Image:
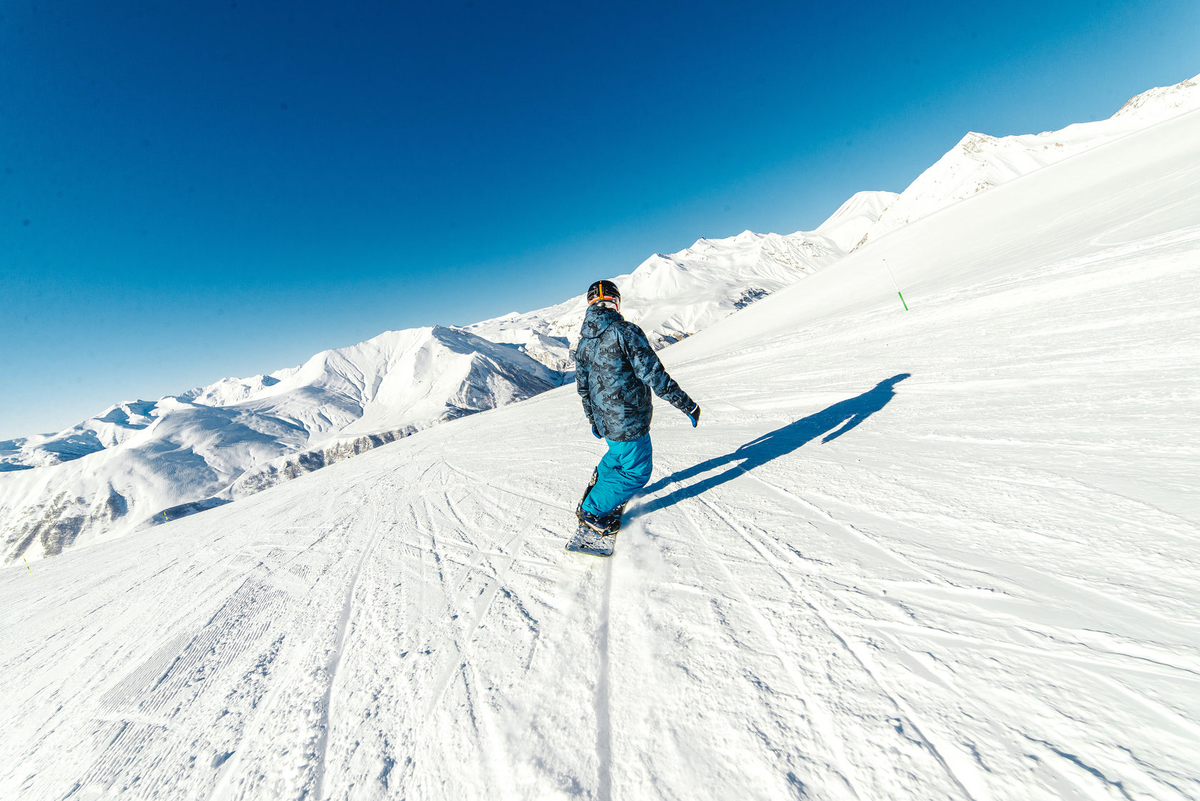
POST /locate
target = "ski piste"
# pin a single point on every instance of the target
(979, 586)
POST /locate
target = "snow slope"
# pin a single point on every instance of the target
(948, 553)
(980, 162)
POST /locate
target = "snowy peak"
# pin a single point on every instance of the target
(673, 296)
(229, 391)
(677, 295)
(428, 375)
(854, 218)
(1161, 102)
(980, 162)
(114, 425)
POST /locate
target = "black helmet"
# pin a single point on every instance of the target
(604, 291)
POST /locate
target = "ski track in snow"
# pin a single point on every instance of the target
(949, 553)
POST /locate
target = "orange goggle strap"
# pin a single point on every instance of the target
(602, 296)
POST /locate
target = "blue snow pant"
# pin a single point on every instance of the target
(624, 470)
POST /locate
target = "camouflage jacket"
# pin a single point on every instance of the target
(615, 369)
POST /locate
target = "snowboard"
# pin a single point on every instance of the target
(592, 542)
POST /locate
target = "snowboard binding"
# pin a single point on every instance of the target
(595, 535)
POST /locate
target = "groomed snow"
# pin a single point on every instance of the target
(944, 553)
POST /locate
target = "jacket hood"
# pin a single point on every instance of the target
(597, 320)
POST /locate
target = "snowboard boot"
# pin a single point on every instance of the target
(616, 516)
(601, 524)
(586, 492)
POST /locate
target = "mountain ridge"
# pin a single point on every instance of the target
(979, 162)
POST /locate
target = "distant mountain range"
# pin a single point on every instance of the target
(146, 462)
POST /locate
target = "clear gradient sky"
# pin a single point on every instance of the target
(190, 190)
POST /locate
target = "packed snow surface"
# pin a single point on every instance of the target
(946, 553)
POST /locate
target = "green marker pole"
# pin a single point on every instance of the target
(27, 567)
(889, 269)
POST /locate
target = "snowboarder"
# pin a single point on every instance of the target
(615, 369)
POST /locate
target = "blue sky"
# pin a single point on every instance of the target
(190, 190)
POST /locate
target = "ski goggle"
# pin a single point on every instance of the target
(613, 300)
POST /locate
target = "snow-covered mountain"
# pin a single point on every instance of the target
(980, 162)
(849, 225)
(945, 553)
(137, 460)
(675, 296)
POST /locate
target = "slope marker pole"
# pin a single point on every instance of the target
(27, 567)
(889, 269)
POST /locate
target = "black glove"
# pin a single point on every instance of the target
(694, 415)
(596, 433)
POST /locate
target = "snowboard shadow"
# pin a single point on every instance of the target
(833, 422)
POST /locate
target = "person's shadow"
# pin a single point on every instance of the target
(836, 420)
